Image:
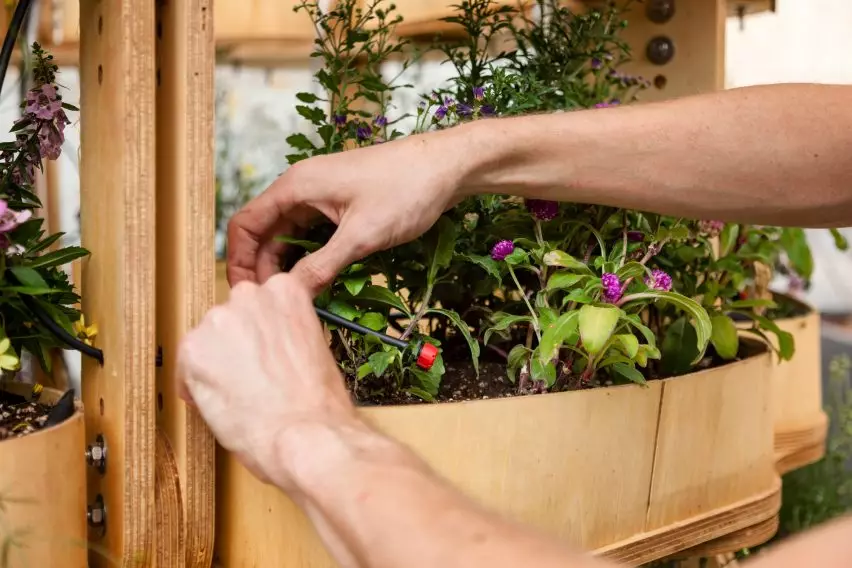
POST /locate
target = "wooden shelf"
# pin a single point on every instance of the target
(751, 6)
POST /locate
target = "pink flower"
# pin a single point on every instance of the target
(9, 219)
(659, 280)
(611, 288)
(502, 249)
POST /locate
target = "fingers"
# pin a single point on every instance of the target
(318, 269)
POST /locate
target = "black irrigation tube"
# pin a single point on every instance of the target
(18, 19)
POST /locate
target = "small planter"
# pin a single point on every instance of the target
(801, 425)
(43, 489)
(633, 473)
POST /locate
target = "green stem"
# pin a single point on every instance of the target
(527, 302)
(424, 305)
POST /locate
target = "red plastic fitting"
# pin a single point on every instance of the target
(426, 357)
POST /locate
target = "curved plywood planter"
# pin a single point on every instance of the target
(43, 492)
(801, 425)
(632, 473)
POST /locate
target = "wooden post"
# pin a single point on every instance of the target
(185, 265)
(117, 225)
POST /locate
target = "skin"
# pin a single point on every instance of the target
(775, 155)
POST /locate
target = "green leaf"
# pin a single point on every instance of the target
(380, 361)
(516, 359)
(58, 258)
(364, 370)
(628, 343)
(786, 342)
(29, 291)
(565, 260)
(518, 256)
(307, 97)
(309, 246)
(28, 277)
(565, 280)
(465, 331)
(631, 270)
(839, 240)
(374, 321)
(45, 243)
(502, 322)
(646, 352)
(596, 326)
(634, 321)
(700, 319)
(546, 316)
(315, 115)
(420, 393)
(724, 336)
(555, 335)
(628, 372)
(443, 239)
(728, 239)
(354, 284)
(343, 310)
(679, 348)
(300, 142)
(69, 106)
(745, 304)
(579, 296)
(543, 371)
(795, 244)
(486, 262)
(382, 295)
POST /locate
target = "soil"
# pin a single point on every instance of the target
(19, 417)
(460, 382)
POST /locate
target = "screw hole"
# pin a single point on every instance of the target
(660, 82)
(159, 29)
(101, 406)
(160, 401)
(100, 25)
(159, 81)
(100, 74)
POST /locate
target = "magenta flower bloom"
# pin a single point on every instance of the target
(339, 119)
(659, 280)
(611, 288)
(9, 219)
(381, 121)
(479, 93)
(596, 63)
(441, 112)
(464, 110)
(635, 236)
(502, 249)
(542, 209)
(711, 228)
(487, 110)
(364, 133)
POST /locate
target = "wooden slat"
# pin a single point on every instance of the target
(117, 218)
(185, 246)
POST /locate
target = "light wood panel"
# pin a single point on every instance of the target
(185, 248)
(117, 218)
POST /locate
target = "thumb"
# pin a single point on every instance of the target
(318, 269)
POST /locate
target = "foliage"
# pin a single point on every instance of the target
(31, 263)
(563, 296)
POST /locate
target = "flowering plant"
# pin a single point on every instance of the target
(522, 296)
(35, 294)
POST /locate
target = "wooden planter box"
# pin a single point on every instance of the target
(43, 490)
(801, 425)
(632, 473)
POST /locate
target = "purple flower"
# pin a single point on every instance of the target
(487, 110)
(441, 113)
(339, 119)
(449, 102)
(9, 219)
(659, 280)
(381, 121)
(464, 110)
(542, 209)
(711, 228)
(502, 249)
(611, 288)
(364, 132)
(635, 236)
(614, 102)
(478, 93)
(596, 63)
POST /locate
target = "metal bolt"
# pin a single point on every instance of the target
(660, 50)
(96, 512)
(660, 11)
(96, 454)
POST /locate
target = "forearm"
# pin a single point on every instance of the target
(775, 155)
(392, 511)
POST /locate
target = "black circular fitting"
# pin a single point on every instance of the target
(660, 11)
(660, 50)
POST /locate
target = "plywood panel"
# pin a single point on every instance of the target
(117, 217)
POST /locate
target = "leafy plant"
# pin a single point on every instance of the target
(33, 286)
(552, 296)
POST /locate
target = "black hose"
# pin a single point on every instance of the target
(358, 328)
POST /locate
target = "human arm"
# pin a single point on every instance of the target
(776, 155)
(260, 373)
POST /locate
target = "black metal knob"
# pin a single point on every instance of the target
(660, 11)
(660, 50)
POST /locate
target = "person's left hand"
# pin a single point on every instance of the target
(259, 369)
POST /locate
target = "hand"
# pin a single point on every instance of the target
(259, 369)
(379, 197)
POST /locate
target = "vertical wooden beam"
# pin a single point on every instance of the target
(697, 31)
(185, 245)
(117, 225)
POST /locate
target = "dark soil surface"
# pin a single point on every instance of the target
(19, 417)
(787, 308)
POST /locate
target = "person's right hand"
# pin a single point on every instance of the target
(379, 197)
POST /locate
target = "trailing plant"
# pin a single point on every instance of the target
(35, 293)
(534, 295)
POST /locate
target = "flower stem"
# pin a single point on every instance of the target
(538, 235)
(527, 302)
(424, 305)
